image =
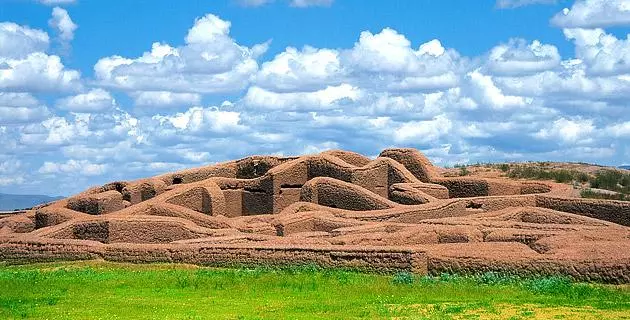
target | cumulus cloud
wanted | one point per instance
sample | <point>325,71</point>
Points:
<point>483,89</point>
<point>165,99</point>
<point>210,62</point>
<point>518,101</point>
<point>55,131</point>
<point>199,120</point>
<point>384,60</point>
<point>63,25</point>
<point>95,100</point>
<point>423,132</point>
<point>294,69</point>
<point>594,14</point>
<point>568,130</point>
<point>74,167</point>
<point>517,57</point>
<point>18,108</point>
<point>24,65</point>
<point>620,130</point>
<point>327,98</point>
<point>602,53</point>
<point>37,72</point>
<point>17,41</point>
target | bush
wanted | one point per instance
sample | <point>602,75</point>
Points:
<point>559,175</point>
<point>403,278</point>
<point>551,285</point>
<point>463,171</point>
<point>611,180</point>
<point>588,193</point>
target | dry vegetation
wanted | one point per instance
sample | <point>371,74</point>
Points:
<point>592,181</point>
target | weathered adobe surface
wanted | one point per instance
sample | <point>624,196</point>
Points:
<point>334,209</point>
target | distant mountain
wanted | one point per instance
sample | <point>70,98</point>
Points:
<point>625,167</point>
<point>9,202</point>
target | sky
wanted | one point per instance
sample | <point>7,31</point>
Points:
<point>93,91</point>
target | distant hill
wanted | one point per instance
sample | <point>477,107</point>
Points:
<point>10,202</point>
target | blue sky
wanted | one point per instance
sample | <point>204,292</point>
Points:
<point>92,92</point>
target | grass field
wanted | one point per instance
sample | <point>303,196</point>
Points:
<point>100,290</point>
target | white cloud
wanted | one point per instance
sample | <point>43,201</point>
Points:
<point>328,98</point>
<point>423,132</point>
<point>37,72</point>
<point>73,167</point>
<point>62,23</point>
<point>391,52</point>
<point>210,62</point>
<point>593,14</point>
<point>198,119</point>
<point>21,99</point>
<point>603,53</point>
<point>63,26</point>
<point>11,181</point>
<point>382,61</point>
<point>571,81</point>
<point>503,4</point>
<point>293,69</point>
<point>95,100</point>
<point>24,65</point>
<point>620,130</point>
<point>17,41</point>
<point>15,115</point>
<point>567,130</point>
<point>519,101</point>
<point>519,58</point>
<point>483,89</point>
<point>165,99</point>
<point>55,131</point>
<point>16,108</point>
<point>386,58</point>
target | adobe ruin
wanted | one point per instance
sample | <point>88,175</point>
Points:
<point>333,209</point>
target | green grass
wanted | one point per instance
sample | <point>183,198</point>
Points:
<point>99,290</point>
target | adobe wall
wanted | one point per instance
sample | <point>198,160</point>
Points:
<point>376,259</point>
<point>608,210</point>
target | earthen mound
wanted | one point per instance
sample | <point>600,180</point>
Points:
<point>334,209</point>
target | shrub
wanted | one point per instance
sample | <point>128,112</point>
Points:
<point>612,180</point>
<point>403,278</point>
<point>588,193</point>
<point>558,175</point>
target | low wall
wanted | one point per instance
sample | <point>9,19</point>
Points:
<point>608,210</point>
<point>617,272</point>
<point>375,259</point>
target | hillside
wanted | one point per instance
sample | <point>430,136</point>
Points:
<point>10,202</point>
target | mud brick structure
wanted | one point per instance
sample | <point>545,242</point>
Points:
<point>334,209</point>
